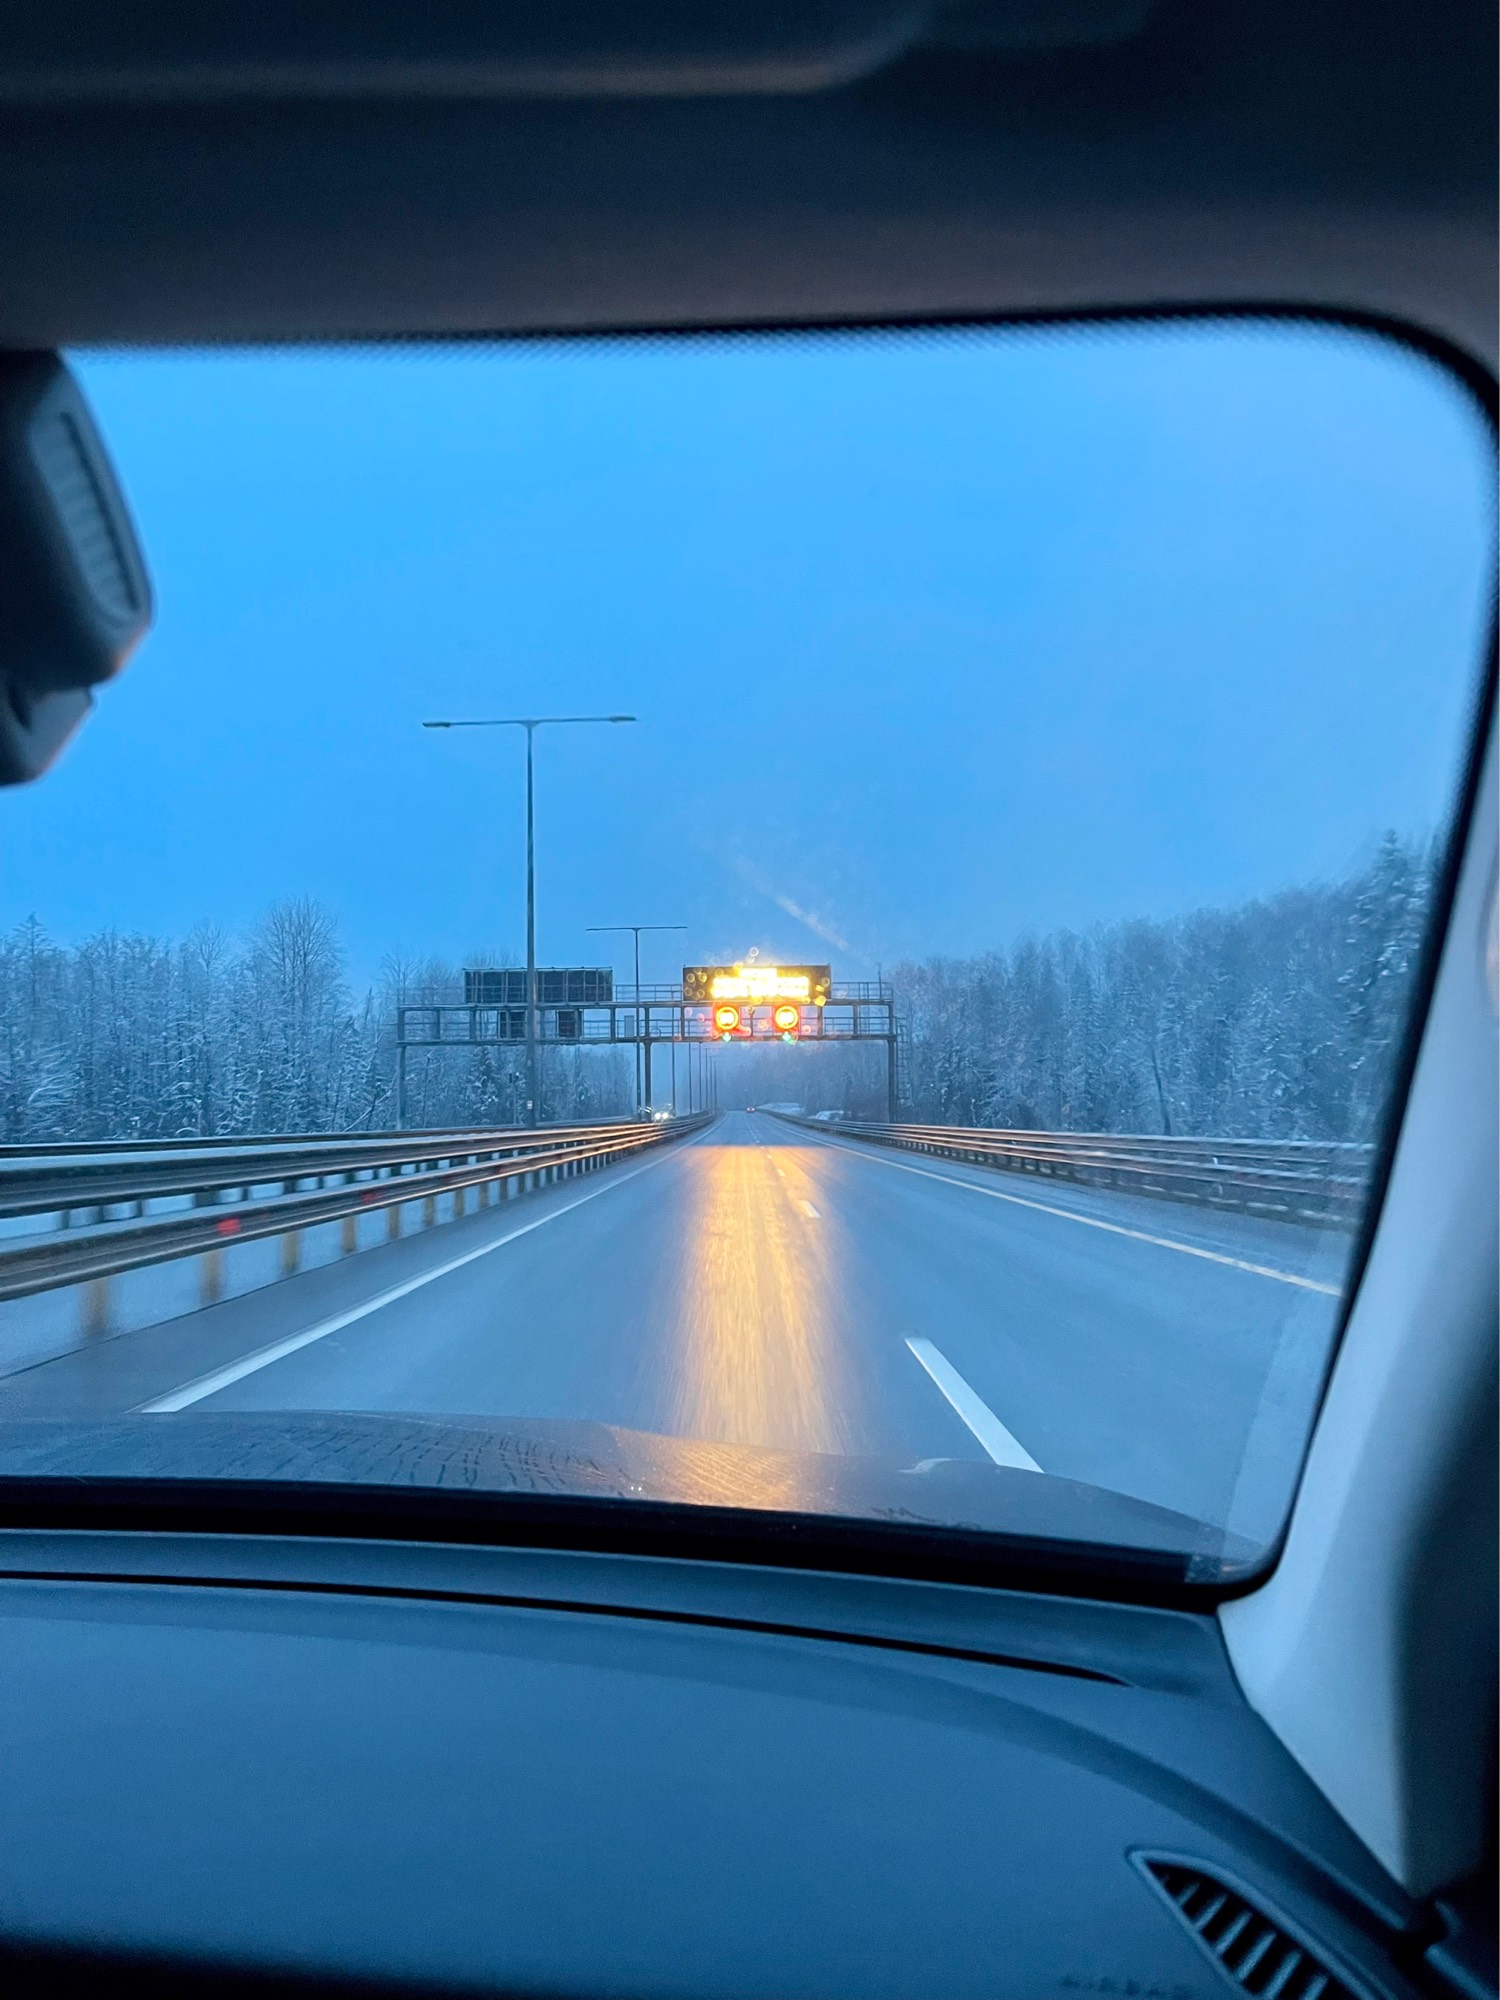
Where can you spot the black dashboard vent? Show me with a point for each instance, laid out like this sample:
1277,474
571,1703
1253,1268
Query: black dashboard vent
1257,1953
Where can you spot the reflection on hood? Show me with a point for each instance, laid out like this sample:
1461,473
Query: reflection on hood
546,1460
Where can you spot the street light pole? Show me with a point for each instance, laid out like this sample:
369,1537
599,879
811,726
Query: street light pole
531,724
533,1084
635,931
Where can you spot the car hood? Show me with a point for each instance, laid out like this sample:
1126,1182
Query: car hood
503,1474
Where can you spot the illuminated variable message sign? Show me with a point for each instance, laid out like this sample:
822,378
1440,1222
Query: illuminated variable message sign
756,985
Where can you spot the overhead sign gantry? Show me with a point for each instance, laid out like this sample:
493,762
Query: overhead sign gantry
747,1002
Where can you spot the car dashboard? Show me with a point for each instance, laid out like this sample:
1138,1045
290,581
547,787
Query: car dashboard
525,1770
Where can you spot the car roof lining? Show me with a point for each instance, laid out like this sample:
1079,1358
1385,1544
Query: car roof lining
1297,152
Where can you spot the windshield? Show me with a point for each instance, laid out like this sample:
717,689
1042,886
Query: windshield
800,925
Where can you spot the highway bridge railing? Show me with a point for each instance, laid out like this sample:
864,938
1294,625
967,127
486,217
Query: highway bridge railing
1298,1180
74,1214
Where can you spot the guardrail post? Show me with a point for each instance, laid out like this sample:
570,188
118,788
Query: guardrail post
211,1277
291,1253
96,1308
349,1239
429,1211
393,1221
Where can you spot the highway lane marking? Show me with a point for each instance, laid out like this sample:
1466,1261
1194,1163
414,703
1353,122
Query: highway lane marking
236,1371
808,1209
971,1409
1113,1228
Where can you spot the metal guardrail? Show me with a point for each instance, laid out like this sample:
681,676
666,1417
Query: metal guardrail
238,1192
70,1178
1300,1180
62,1150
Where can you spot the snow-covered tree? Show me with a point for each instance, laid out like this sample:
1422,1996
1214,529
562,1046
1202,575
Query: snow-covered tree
1277,1018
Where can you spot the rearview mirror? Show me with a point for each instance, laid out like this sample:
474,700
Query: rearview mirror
75,600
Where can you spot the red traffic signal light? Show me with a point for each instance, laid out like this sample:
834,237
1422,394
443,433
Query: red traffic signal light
726,1020
787,1020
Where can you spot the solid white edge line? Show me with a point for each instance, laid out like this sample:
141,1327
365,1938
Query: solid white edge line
1093,1222
971,1410
250,1364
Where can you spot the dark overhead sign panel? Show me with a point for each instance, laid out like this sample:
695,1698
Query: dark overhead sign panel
556,986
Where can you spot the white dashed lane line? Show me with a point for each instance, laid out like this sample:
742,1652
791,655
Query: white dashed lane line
971,1408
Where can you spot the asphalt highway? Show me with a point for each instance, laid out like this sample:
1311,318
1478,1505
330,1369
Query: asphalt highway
762,1284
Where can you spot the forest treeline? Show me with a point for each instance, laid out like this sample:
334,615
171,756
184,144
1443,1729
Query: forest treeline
124,1036
1278,1018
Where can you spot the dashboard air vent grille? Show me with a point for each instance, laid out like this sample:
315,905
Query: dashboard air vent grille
1257,1953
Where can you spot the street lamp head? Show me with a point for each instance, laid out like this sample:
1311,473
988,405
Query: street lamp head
527,722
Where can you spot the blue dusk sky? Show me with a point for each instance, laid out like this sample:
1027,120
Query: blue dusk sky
934,639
